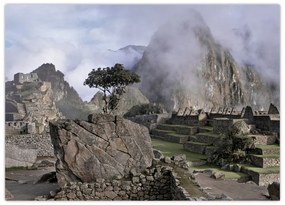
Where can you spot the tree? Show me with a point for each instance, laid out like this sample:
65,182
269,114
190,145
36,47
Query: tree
112,82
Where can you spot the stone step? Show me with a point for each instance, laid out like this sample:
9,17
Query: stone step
264,139
169,136
266,149
209,151
209,138
159,132
265,161
179,129
262,176
195,147
205,129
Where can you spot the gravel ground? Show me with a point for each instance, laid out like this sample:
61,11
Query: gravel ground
21,183
231,188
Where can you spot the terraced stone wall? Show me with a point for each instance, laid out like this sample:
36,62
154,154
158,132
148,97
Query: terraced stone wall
150,121
40,142
157,183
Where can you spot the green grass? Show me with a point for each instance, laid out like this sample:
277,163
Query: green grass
268,156
272,146
177,135
228,174
165,131
207,128
20,168
268,170
171,148
182,126
208,134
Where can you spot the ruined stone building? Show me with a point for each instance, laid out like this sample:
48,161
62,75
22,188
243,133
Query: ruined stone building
263,120
28,104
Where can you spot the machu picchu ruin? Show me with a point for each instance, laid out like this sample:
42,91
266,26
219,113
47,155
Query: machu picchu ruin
200,132
125,103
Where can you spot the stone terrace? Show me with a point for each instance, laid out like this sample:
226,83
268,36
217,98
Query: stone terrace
198,138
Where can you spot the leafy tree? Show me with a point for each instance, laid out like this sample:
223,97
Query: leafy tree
112,82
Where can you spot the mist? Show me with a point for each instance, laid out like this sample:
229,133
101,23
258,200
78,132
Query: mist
77,38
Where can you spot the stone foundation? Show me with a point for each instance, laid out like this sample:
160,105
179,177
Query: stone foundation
150,121
157,183
263,179
195,147
16,156
264,162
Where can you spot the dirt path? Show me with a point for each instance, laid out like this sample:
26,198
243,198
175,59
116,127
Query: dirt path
25,189
231,188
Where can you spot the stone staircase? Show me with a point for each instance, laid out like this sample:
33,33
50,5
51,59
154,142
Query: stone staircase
265,161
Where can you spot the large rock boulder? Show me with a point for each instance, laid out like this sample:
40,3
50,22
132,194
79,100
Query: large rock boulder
274,190
241,128
106,147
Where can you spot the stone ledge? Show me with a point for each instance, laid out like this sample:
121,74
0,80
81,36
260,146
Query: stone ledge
264,162
195,147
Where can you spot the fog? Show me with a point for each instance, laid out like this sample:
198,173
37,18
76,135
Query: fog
76,38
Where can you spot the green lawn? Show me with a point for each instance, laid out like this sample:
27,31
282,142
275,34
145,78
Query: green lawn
182,126
276,156
228,174
171,148
262,170
272,146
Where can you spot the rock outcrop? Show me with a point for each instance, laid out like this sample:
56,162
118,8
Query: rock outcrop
105,146
274,190
65,97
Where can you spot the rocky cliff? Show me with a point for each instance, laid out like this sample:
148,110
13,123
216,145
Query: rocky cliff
65,97
105,147
184,65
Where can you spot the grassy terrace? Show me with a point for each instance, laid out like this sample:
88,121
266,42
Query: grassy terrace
272,146
268,170
268,156
171,148
209,128
228,174
181,126
207,134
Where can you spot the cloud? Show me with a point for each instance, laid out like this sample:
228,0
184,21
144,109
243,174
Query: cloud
76,38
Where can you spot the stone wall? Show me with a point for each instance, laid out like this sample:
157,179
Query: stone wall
19,127
17,156
157,183
150,121
40,142
262,122
222,125
22,78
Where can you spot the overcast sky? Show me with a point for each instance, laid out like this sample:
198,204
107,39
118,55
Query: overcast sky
75,38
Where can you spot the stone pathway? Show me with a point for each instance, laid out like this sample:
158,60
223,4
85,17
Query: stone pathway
231,188
21,185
